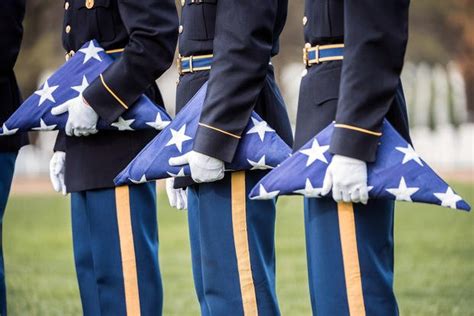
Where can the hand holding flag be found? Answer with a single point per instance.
(170, 152)
(65, 88)
(398, 174)
(82, 119)
(203, 168)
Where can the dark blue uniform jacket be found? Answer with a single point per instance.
(11, 32)
(363, 89)
(147, 30)
(242, 36)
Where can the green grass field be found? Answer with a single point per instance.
(434, 259)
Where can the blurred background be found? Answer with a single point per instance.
(435, 247)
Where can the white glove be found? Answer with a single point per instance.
(347, 177)
(57, 168)
(177, 197)
(203, 168)
(82, 119)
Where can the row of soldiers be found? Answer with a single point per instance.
(353, 55)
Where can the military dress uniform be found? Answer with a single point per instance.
(114, 228)
(354, 55)
(230, 44)
(11, 18)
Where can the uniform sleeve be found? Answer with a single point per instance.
(11, 15)
(376, 34)
(153, 29)
(242, 49)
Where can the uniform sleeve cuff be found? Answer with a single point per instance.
(354, 144)
(215, 143)
(104, 100)
(60, 144)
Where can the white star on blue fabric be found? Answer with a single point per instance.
(158, 124)
(410, 154)
(143, 179)
(123, 125)
(82, 87)
(316, 152)
(449, 198)
(8, 132)
(179, 174)
(259, 165)
(260, 127)
(44, 127)
(264, 195)
(91, 51)
(178, 137)
(309, 190)
(403, 193)
(46, 93)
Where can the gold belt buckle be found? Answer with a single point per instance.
(191, 66)
(306, 48)
(317, 54)
(180, 68)
(306, 61)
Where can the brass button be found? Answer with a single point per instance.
(68, 29)
(305, 20)
(89, 4)
(66, 6)
(181, 29)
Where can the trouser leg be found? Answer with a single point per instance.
(350, 257)
(7, 167)
(124, 246)
(83, 255)
(234, 255)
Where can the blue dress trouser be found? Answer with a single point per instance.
(232, 247)
(115, 238)
(350, 257)
(7, 167)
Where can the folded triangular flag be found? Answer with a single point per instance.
(397, 174)
(68, 82)
(260, 147)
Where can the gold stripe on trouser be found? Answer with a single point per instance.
(350, 256)
(127, 249)
(239, 225)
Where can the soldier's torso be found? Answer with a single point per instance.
(95, 160)
(323, 21)
(85, 20)
(198, 25)
(323, 24)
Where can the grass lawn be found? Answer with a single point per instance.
(434, 258)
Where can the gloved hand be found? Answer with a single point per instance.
(203, 168)
(347, 177)
(57, 168)
(82, 119)
(177, 197)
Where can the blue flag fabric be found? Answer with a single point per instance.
(398, 174)
(68, 82)
(260, 147)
